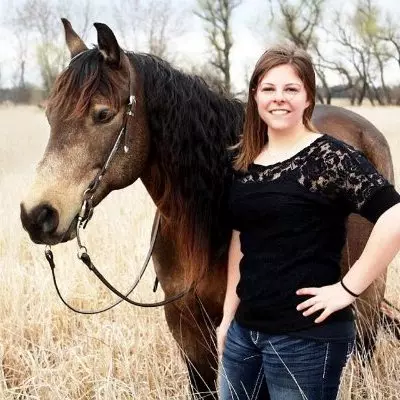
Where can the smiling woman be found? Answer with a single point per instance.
(292, 193)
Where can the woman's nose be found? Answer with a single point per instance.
(279, 97)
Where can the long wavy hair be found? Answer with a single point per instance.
(191, 128)
(255, 130)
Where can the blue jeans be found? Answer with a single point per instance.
(259, 366)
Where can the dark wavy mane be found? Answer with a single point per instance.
(191, 128)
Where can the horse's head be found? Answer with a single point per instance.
(86, 111)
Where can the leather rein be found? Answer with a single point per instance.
(86, 214)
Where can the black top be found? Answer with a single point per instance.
(292, 220)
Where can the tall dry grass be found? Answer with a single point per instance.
(48, 352)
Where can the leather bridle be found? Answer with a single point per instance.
(86, 214)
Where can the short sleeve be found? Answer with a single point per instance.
(362, 187)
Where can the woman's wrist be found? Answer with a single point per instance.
(348, 290)
(226, 320)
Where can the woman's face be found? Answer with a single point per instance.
(281, 98)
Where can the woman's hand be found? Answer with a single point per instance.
(221, 331)
(328, 298)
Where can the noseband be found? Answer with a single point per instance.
(86, 214)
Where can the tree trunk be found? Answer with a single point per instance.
(377, 96)
(386, 90)
(362, 93)
(22, 75)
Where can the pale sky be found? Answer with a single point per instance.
(249, 33)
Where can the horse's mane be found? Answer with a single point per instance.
(191, 128)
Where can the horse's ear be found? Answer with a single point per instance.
(108, 44)
(74, 42)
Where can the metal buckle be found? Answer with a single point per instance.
(131, 105)
(87, 207)
(81, 251)
(47, 249)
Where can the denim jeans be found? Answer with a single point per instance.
(259, 366)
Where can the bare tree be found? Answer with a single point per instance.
(217, 16)
(354, 53)
(37, 19)
(299, 21)
(38, 29)
(368, 25)
(159, 27)
(363, 52)
(325, 64)
(149, 25)
(127, 16)
(17, 26)
(390, 34)
(22, 53)
(87, 11)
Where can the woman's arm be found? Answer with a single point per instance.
(382, 246)
(231, 301)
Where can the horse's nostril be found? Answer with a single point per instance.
(40, 222)
(47, 219)
(42, 219)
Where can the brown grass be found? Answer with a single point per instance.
(47, 352)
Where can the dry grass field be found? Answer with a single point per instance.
(48, 352)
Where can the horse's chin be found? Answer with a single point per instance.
(70, 233)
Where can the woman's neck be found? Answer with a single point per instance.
(281, 140)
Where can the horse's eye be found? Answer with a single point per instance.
(103, 116)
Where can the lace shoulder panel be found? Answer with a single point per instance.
(262, 173)
(339, 170)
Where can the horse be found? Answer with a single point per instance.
(178, 134)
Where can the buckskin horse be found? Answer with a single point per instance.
(174, 137)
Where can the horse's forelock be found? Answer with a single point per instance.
(86, 76)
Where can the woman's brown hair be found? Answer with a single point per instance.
(255, 130)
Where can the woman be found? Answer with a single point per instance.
(288, 328)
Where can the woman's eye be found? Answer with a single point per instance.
(103, 116)
(268, 89)
(292, 90)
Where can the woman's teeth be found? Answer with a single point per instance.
(279, 112)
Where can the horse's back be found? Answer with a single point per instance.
(357, 131)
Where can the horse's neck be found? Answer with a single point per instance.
(148, 180)
(178, 111)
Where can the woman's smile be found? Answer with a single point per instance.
(279, 111)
